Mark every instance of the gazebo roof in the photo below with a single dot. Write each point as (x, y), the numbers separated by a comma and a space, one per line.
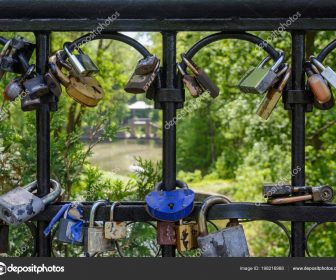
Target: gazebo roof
(140, 105)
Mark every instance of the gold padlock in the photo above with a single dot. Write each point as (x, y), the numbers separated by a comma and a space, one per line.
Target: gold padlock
(112, 229)
(85, 90)
(186, 236)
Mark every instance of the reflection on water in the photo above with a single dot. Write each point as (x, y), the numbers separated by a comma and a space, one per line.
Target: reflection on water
(118, 157)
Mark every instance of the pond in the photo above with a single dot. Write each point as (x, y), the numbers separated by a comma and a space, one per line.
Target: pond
(118, 157)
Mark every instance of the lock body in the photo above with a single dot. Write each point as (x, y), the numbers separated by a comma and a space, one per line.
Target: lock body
(94, 241)
(319, 88)
(29, 104)
(257, 80)
(144, 75)
(261, 78)
(36, 87)
(12, 90)
(166, 233)
(64, 233)
(186, 236)
(228, 242)
(115, 230)
(86, 91)
(19, 205)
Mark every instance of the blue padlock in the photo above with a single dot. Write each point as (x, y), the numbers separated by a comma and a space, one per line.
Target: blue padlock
(170, 205)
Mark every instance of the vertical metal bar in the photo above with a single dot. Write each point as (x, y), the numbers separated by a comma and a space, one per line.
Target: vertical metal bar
(298, 136)
(43, 140)
(169, 113)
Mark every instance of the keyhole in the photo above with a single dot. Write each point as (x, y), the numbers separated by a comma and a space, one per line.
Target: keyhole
(171, 206)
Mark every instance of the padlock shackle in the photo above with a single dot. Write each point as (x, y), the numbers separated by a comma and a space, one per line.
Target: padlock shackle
(49, 198)
(94, 209)
(207, 204)
(56, 192)
(65, 80)
(278, 62)
(112, 209)
(189, 64)
(180, 69)
(317, 63)
(158, 186)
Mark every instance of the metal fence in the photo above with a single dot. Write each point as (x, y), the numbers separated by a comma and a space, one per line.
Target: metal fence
(231, 18)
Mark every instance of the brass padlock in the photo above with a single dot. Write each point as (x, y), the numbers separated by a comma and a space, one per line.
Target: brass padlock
(186, 236)
(273, 95)
(113, 229)
(85, 90)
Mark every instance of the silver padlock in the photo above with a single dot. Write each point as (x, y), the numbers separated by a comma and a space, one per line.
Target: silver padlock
(81, 63)
(113, 229)
(20, 205)
(94, 240)
(325, 71)
(228, 242)
(261, 78)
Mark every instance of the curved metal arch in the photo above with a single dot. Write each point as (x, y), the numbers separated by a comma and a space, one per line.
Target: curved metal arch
(326, 51)
(279, 224)
(111, 36)
(274, 54)
(309, 231)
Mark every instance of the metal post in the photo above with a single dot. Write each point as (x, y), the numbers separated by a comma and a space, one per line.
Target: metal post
(298, 136)
(43, 140)
(169, 113)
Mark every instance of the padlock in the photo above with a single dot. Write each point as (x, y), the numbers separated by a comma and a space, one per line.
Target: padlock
(202, 78)
(15, 87)
(71, 227)
(315, 194)
(146, 65)
(273, 95)
(228, 242)
(170, 205)
(113, 229)
(53, 84)
(261, 78)
(166, 234)
(140, 83)
(16, 50)
(317, 85)
(94, 240)
(19, 205)
(325, 71)
(186, 236)
(36, 86)
(190, 82)
(28, 104)
(85, 90)
(81, 63)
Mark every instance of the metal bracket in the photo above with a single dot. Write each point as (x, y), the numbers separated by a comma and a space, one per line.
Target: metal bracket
(291, 97)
